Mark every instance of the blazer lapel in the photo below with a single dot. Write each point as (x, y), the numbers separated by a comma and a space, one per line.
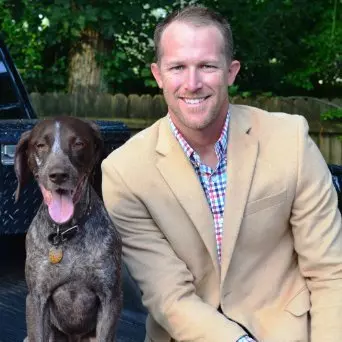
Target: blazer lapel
(183, 181)
(242, 154)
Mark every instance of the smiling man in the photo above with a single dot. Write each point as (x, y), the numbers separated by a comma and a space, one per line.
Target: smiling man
(228, 213)
(194, 71)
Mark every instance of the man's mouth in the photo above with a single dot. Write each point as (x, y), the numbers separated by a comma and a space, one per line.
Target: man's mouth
(194, 101)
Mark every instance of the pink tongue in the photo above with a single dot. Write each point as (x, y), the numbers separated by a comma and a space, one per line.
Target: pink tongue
(61, 208)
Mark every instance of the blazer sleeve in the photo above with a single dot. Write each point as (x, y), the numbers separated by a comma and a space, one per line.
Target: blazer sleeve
(317, 230)
(165, 281)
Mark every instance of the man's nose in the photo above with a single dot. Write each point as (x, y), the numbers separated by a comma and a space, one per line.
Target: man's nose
(193, 80)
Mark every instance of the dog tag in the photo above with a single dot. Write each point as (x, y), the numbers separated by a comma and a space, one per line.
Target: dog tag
(55, 255)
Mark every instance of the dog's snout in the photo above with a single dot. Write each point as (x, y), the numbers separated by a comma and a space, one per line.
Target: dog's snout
(58, 177)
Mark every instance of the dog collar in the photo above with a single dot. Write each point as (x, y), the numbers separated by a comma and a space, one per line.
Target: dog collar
(64, 233)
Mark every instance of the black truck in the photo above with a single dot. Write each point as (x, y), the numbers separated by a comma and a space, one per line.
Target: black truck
(17, 116)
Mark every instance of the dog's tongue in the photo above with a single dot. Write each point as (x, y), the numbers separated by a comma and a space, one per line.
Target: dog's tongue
(61, 206)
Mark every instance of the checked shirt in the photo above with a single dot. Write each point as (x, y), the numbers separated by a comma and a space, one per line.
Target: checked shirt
(213, 181)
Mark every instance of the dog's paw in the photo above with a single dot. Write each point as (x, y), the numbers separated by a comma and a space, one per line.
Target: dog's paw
(26, 339)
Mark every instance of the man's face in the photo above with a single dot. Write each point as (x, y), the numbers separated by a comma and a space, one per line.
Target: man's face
(194, 74)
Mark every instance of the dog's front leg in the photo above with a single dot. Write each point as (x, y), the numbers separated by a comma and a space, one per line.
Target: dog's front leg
(37, 317)
(107, 319)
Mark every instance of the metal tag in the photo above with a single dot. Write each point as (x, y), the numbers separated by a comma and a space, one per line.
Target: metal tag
(55, 255)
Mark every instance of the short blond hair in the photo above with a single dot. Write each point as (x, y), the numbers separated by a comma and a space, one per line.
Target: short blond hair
(198, 16)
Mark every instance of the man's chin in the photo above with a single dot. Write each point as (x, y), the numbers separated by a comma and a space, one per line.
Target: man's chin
(190, 118)
(196, 123)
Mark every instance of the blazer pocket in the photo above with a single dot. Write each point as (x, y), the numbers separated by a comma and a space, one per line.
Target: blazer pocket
(264, 203)
(300, 303)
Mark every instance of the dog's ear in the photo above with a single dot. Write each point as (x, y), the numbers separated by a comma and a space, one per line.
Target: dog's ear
(99, 144)
(21, 167)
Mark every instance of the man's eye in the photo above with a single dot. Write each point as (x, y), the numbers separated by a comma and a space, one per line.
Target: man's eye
(177, 67)
(208, 66)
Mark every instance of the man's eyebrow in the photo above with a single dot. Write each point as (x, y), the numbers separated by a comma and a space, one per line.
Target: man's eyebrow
(180, 62)
(174, 62)
(210, 61)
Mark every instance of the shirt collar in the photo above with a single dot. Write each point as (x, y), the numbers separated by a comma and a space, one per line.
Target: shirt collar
(220, 145)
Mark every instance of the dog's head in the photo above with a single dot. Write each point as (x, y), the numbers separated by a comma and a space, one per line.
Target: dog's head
(61, 154)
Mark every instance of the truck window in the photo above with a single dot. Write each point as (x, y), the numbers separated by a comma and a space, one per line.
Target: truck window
(7, 92)
(10, 105)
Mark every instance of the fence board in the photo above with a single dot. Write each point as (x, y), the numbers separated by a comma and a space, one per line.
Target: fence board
(324, 146)
(107, 106)
(336, 150)
(315, 139)
(120, 106)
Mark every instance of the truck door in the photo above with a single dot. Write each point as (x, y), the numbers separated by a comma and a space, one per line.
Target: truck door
(14, 120)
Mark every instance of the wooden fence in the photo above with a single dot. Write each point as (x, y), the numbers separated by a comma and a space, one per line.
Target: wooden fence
(145, 109)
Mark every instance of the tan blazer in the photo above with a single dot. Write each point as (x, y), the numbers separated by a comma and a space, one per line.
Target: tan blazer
(282, 243)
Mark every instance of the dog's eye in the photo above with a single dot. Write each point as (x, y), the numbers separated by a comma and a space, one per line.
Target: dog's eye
(41, 146)
(79, 144)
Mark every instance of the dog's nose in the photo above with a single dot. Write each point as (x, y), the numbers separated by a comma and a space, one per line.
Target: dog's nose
(58, 177)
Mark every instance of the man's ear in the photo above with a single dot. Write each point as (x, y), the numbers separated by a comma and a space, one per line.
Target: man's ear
(155, 69)
(21, 167)
(233, 71)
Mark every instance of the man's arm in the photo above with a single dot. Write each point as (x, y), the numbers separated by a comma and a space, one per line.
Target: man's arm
(165, 281)
(317, 229)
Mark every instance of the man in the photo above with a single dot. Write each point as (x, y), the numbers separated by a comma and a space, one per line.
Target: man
(228, 214)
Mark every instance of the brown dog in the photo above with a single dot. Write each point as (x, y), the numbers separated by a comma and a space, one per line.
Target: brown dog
(73, 262)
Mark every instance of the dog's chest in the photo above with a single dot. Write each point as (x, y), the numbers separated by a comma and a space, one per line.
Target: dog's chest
(81, 259)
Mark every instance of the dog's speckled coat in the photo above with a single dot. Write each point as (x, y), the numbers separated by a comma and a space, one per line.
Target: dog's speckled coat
(69, 300)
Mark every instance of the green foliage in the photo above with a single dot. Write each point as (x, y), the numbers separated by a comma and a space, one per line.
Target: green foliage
(233, 90)
(42, 52)
(285, 47)
(332, 115)
(24, 38)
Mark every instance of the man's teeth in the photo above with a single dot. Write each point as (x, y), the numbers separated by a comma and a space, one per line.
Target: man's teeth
(194, 101)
